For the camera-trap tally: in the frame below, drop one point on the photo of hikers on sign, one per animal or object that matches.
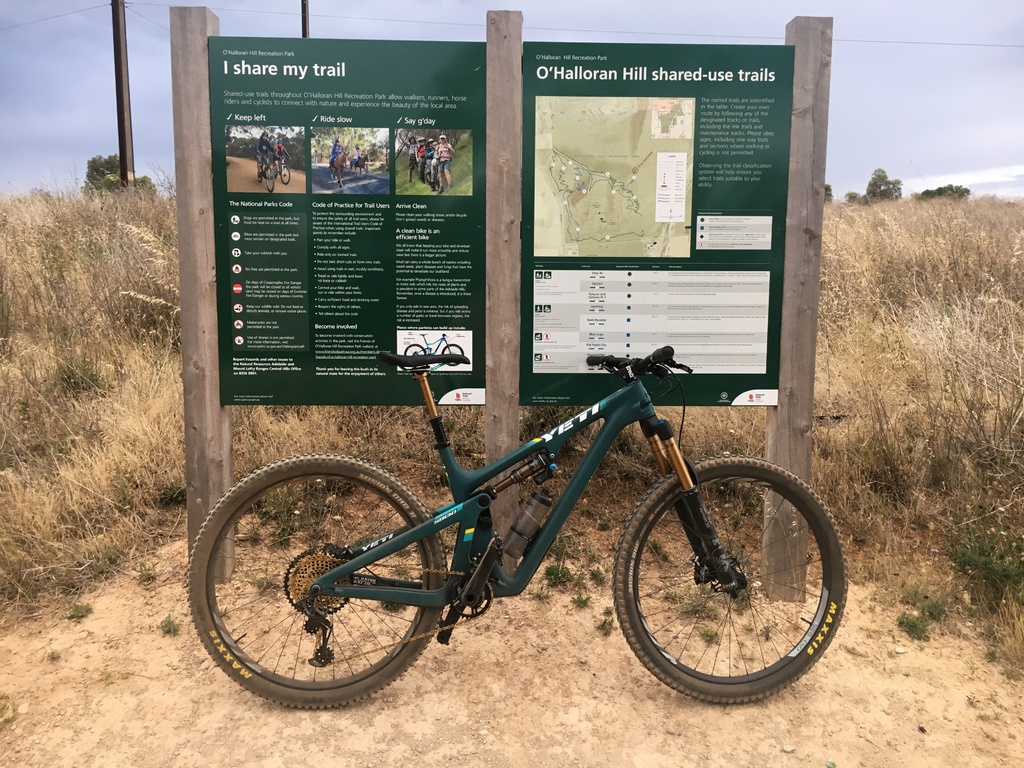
(433, 162)
(350, 161)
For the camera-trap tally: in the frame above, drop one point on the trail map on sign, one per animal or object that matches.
(614, 176)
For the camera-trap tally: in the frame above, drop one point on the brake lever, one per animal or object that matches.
(679, 366)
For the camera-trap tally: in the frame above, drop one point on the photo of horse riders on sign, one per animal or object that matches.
(439, 162)
(350, 161)
(266, 158)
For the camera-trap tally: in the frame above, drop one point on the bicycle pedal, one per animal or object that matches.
(448, 624)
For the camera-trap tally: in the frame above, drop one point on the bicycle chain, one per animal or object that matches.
(421, 635)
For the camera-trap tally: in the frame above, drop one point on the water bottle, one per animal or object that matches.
(527, 524)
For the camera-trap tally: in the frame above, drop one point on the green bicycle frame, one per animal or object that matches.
(629, 404)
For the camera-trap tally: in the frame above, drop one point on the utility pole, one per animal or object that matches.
(124, 107)
(305, 18)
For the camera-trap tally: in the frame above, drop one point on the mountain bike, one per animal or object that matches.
(265, 171)
(439, 346)
(284, 172)
(270, 172)
(319, 579)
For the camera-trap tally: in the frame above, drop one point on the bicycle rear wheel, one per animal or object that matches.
(264, 544)
(415, 349)
(452, 349)
(703, 642)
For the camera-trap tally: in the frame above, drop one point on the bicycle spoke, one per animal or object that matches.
(696, 636)
(283, 528)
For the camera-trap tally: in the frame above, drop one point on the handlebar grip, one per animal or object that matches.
(662, 355)
(596, 359)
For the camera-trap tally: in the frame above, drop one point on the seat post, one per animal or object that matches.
(428, 396)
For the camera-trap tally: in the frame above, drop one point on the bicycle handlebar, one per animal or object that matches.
(639, 366)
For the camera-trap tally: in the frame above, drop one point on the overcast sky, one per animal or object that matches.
(933, 92)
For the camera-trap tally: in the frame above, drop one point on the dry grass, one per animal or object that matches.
(919, 447)
(1010, 632)
(90, 392)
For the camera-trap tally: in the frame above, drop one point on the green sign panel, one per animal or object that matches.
(654, 210)
(348, 181)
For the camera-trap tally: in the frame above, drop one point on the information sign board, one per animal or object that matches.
(336, 235)
(654, 212)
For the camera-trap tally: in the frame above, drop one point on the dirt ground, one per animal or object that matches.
(374, 182)
(242, 178)
(532, 683)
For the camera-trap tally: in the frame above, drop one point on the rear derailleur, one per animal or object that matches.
(318, 624)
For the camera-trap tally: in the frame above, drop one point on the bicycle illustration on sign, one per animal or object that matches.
(439, 346)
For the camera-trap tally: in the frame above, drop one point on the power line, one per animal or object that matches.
(641, 33)
(335, 16)
(930, 42)
(51, 18)
(615, 31)
(132, 10)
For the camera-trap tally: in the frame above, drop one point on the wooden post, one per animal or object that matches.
(207, 423)
(504, 220)
(125, 149)
(789, 425)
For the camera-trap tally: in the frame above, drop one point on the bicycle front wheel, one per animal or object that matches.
(705, 643)
(286, 175)
(264, 544)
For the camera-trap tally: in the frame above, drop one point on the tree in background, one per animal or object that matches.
(99, 167)
(241, 142)
(881, 187)
(854, 198)
(955, 192)
(828, 193)
(372, 142)
(104, 173)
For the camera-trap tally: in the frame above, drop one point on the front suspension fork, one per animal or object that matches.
(710, 564)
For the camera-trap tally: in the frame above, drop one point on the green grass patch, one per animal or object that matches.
(79, 611)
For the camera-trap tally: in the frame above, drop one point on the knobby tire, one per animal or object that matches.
(277, 521)
(707, 644)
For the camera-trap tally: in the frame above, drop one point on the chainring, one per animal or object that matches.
(306, 568)
(478, 610)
